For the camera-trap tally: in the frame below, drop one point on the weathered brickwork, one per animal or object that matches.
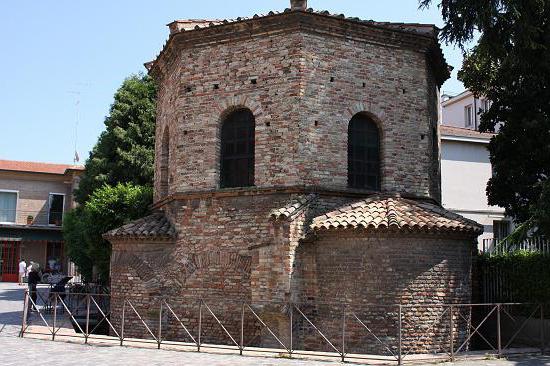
(376, 270)
(301, 115)
(303, 76)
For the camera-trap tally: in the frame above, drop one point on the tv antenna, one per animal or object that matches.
(77, 93)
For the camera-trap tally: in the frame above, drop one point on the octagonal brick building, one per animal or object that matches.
(297, 160)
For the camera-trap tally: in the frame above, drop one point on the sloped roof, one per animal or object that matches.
(394, 212)
(293, 207)
(465, 132)
(36, 167)
(196, 24)
(155, 226)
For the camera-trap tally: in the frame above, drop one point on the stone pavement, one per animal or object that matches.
(22, 352)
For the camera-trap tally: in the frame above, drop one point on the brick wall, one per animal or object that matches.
(371, 271)
(301, 115)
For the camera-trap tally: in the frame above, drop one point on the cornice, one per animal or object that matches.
(299, 21)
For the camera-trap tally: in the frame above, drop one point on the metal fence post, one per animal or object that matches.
(25, 313)
(542, 341)
(452, 334)
(400, 355)
(87, 319)
(54, 326)
(290, 306)
(242, 331)
(159, 339)
(499, 340)
(344, 333)
(123, 320)
(200, 327)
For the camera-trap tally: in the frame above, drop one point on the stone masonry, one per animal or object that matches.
(304, 75)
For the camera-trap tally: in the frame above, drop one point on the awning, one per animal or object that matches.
(30, 234)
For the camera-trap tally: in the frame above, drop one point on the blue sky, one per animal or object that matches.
(54, 48)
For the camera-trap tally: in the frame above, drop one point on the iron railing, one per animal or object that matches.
(496, 247)
(395, 334)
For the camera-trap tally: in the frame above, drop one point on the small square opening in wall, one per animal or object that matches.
(188, 89)
(268, 124)
(332, 79)
(185, 132)
(316, 123)
(364, 85)
(216, 86)
(253, 81)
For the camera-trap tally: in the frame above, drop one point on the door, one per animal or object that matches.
(9, 261)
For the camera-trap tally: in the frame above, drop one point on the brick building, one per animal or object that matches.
(297, 159)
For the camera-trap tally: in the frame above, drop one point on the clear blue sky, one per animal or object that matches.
(52, 48)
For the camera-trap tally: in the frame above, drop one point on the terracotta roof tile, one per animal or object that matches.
(155, 226)
(465, 132)
(395, 212)
(35, 167)
(294, 206)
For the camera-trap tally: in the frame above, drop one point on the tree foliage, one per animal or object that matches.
(526, 275)
(125, 150)
(107, 208)
(117, 184)
(510, 65)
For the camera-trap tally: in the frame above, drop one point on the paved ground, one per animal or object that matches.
(17, 351)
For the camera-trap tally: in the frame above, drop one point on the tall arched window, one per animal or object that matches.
(237, 149)
(363, 153)
(164, 163)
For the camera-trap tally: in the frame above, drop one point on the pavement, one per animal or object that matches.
(25, 351)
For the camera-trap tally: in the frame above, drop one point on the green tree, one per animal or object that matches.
(124, 154)
(125, 150)
(107, 208)
(510, 65)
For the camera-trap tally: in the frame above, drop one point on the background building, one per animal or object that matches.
(33, 199)
(466, 168)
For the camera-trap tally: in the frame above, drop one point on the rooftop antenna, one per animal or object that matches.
(77, 93)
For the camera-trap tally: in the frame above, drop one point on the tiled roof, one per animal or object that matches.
(465, 132)
(394, 212)
(155, 226)
(293, 207)
(425, 29)
(35, 167)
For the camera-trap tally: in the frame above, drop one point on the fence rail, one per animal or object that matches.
(496, 247)
(409, 332)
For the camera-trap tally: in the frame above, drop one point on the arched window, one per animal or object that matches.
(237, 150)
(164, 163)
(363, 153)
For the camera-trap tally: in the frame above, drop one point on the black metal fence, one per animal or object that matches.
(395, 334)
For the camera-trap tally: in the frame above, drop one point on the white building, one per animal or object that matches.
(464, 110)
(465, 166)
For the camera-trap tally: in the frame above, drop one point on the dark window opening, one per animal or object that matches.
(237, 150)
(363, 153)
(57, 202)
(501, 229)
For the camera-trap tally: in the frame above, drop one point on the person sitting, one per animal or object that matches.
(33, 280)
